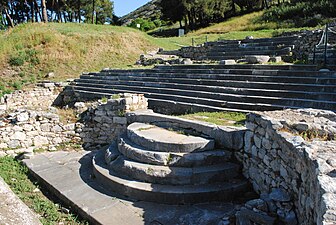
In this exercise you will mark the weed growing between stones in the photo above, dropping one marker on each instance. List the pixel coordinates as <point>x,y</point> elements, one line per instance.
<point>103,99</point>
<point>115,96</point>
<point>16,175</point>
<point>311,134</point>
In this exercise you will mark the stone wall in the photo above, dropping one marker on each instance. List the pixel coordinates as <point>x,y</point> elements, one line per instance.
<point>305,44</point>
<point>276,159</point>
<point>194,52</point>
<point>28,121</point>
<point>103,121</point>
<point>28,130</point>
<point>31,99</point>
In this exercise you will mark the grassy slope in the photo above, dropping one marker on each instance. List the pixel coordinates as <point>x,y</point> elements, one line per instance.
<point>67,50</point>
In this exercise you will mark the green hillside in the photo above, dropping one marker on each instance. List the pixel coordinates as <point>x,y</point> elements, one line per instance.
<point>30,51</point>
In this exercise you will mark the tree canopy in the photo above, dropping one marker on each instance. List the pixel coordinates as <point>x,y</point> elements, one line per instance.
<point>14,12</point>
<point>200,13</point>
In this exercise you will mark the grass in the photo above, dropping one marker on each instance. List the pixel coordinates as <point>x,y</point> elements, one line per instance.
<point>251,23</point>
<point>16,176</point>
<point>29,51</point>
<point>67,115</point>
<point>219,118</point>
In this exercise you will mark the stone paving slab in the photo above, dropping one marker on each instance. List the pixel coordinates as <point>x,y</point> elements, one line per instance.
<point>12,210</point>
<point>69,176</point>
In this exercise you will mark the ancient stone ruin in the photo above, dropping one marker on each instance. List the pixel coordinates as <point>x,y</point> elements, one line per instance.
<point>160,169</point>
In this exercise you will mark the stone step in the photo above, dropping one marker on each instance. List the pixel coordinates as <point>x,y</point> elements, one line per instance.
<point>233,77</point>
<point>90,93</point>
<point>156,174</point>
<point>247,47</point>
<point>169,194</point>
<point>240,66</point>
<point>159,139</point>
<point>265,45</point>
<point>226,83</point>
<point>170,107</point>
<point>204,72</point>
<point>213,91</point>
<point>140,154</point>
<point>162,105</point>
<point>245,52</point>
<point>218,99</point>
<point>155,82</point>
<point>265,41</point>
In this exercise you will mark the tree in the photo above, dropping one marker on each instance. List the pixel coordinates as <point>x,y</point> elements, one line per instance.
<point>172,10</point>
<point>44,11</point>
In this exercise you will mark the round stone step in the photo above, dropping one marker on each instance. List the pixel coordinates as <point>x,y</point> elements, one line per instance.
<point>164,140</point>
<point>140,154</point>
<point>169,194</point>
<point>174,175</point>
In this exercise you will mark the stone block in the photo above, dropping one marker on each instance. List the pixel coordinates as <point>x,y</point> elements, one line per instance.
<point>120,120</point>
<point>39,141</point>
<point>227,62</point>
<point>257,141</point>
<point>256,59</point>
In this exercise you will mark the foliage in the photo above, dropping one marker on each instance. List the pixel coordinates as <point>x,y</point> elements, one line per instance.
<point>145,25</point>
<point>302,13</point>
<point>16,176</point>
<point>91,11</point>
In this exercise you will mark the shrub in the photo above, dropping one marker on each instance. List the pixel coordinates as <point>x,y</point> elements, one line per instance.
<point>145,25</point>
<point>17,85</point>
<point>16,60</point>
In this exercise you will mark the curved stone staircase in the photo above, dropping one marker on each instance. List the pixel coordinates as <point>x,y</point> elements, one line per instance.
<point>169,164</point>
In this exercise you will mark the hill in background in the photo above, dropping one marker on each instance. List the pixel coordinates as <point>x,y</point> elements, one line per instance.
<point>149,11</point>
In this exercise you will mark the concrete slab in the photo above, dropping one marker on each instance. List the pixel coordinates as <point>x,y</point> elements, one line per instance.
<point>12,210</point>
<point>69,177</point>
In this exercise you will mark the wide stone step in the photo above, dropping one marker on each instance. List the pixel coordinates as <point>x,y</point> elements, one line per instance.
<point>160,139</point>
<point>240,66</point>
<point>216,92</point>
<point>264,41</point>
<point>245,52</point>
<point>169,194</point>
<point>241,106</point>
<point>250,47</point>
<point>140,154</point>
<point>220,72</point>
<point>227,83</point>
<point>232,77</point>
<point>174,175</point>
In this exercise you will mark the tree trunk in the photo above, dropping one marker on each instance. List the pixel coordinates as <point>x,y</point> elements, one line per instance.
<point>32,11</point>
<point>44,11</point>
<point>79,11</point>
<point>233,8</point>
<point>9,18</point>
<point>37,11</point>
<point>93,11</point>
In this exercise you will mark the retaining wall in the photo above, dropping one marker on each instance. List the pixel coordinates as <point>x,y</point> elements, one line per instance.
<point>275,159</point>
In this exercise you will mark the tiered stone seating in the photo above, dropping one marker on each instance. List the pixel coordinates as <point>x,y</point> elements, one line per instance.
<point>177,89</point>
<point>237,49</point>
